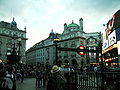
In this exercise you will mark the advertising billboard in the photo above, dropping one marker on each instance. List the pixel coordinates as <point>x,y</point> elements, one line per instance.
<point>118,47</point>
<point>118,34</point>
<point>112,38</point>
<point>104,38</point>
<point>114,22</point>
<point>111,32</point>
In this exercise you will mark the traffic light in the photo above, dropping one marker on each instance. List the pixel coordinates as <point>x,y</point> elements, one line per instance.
<point>81,50</point>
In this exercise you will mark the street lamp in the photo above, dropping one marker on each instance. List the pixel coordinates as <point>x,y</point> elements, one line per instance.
<point>55,40</point>
<point>13,55</point>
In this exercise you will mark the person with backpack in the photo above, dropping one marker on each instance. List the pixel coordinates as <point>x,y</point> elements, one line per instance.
<point>5,83</point>
<point>57,81</point>
<point>10,78</point>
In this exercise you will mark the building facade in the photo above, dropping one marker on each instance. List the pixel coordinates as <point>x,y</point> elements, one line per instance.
<point>9,35</point>
<point>72,37</point>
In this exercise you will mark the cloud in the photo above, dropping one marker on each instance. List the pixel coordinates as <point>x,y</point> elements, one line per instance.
<point>40,16</point>
<point>14,7</point>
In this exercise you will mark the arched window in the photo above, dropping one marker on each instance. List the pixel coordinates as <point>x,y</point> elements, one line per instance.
<point>91,41</point>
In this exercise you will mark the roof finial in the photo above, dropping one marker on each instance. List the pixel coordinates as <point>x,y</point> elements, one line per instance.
<point>72,21</point>
<point>51,30</point>
<point>13,18</point>
<point>25,28</point>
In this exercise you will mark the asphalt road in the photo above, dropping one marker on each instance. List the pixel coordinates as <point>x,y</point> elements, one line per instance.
<point>28,84</point>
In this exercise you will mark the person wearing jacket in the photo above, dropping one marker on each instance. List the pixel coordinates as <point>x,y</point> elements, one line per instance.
<point>57,80</point>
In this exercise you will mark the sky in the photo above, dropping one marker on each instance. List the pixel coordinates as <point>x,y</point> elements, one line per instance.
<point>40,16</point>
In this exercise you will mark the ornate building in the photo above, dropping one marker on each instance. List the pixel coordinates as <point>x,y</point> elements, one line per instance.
<point>72,37</point>
<point>9,35</point>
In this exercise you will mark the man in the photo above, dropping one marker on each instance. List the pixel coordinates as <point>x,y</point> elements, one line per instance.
<point>10,77</point>
<point>5,83</point>
<point>57,81</point>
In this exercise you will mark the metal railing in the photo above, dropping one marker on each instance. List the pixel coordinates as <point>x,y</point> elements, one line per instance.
<point>93,80</point>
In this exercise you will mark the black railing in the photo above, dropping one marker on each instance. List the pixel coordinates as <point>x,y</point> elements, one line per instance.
<point>93,80</point>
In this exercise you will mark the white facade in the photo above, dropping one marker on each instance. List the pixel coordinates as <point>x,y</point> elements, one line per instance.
<point>72,37</point>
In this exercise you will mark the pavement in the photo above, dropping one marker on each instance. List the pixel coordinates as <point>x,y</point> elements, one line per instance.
<point>28,84</point>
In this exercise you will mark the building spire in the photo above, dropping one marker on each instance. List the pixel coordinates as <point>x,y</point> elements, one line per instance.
<point>13,18</point>
<point>25,28</point>
<point>72,21</point>
<point>51,30</point>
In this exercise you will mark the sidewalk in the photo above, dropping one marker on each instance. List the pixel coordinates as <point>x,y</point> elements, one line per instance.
<point>28,84</point>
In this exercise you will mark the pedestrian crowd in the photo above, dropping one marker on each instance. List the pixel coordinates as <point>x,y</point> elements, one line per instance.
<point>46,76</point>
<point>51,77</point>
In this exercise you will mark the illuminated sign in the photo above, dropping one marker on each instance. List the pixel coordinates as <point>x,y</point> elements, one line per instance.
<point>108,60</point>
<point>110,48</point>
<point>112,38</point>
<point>105,38</point>
<point>114,22</point>
<point>118,34</point>
<point>80,48</point>
<point>118,47</point>
<point>105,44</point>
<point>111,31</point>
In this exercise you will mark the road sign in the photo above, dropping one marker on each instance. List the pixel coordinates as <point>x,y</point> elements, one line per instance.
<point>80,50</point>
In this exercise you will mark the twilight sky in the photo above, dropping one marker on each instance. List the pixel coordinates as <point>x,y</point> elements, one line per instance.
<point>40,16</point>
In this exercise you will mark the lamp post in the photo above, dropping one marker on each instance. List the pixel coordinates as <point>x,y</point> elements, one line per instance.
<point>100,52</point>
<point>101,56</point>
<point>13,55</point>
<point>55,40</point>
<point>101,63</point>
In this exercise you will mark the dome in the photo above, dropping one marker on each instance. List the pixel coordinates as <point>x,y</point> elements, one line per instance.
<point>13,22</point>
<point>52,33</point>
<point>73,24</point>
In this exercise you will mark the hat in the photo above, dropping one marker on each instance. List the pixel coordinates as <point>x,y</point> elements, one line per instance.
<point>55,69</point>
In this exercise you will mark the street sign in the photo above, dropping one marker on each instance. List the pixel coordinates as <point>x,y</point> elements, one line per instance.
<point>81,50</point>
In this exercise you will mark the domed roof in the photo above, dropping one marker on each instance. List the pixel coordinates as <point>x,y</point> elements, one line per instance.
<point>13,22</point>
<point>51,33</point>
<point>73,24</point>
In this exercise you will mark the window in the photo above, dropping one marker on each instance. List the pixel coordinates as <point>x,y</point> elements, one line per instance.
<point>91,41</point>
<point>73,44</point>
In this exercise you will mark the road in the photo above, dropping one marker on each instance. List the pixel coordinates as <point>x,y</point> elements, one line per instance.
<point>28,84</point>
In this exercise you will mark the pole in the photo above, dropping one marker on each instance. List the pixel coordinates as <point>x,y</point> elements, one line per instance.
<point>101,64</point>
<point>56,53</point>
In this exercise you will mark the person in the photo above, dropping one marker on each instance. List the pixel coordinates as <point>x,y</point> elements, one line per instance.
<point>2,76</point>
<point>10,77</point>
<point>22,74</point>
<point>39,77</point>
<point>57,81</point>
<point>95,69</point>
<point>5,83</point>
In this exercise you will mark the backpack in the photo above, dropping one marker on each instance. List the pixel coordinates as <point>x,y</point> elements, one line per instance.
<point>9,83</point>
<point>51,84</point>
